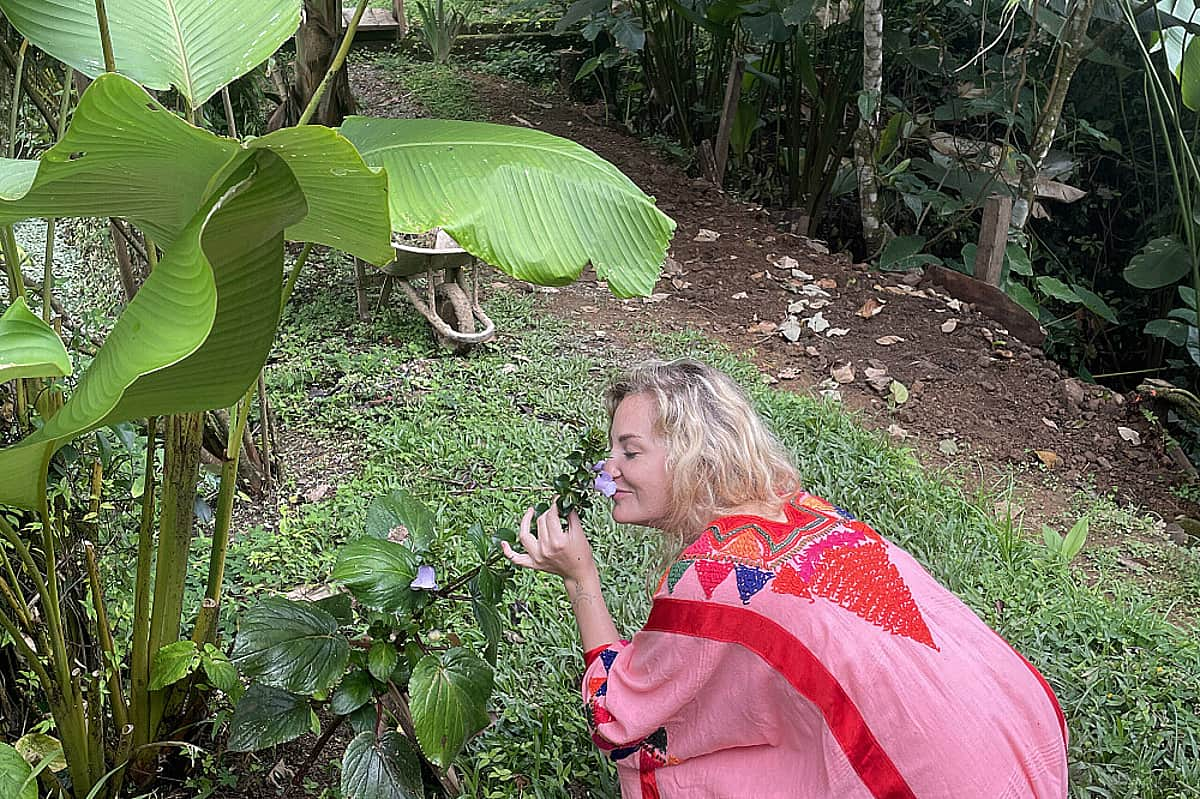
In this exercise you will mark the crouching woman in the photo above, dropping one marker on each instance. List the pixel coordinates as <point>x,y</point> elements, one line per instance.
<point>791,651</point>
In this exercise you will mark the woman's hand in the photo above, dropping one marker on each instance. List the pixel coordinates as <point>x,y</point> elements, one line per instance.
<point>565,553</point>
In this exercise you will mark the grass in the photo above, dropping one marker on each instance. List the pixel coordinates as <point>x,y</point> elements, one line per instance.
<point>478,437</point>
<point>442,89</point>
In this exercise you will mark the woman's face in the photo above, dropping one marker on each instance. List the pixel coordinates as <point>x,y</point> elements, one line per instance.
<point>638,464</point>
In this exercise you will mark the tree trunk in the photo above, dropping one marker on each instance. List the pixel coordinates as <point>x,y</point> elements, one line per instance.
<point>316,42</point>
<point>1072,52</point>
<point>868,127</point>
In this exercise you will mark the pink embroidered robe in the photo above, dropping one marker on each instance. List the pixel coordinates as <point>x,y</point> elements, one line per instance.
<point>815,659</point>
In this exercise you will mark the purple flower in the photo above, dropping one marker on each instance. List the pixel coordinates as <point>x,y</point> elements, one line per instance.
<point>605,484</point>
<point>425,580</point>
<point>599,467</point>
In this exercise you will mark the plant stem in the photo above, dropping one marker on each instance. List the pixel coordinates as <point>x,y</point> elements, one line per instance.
<point>14,112</point>
<point>110,64</point>
<point>139,669</point>
<point>302,772</point>
<point>206,621</point>
<point>301,260</point>
<point>339,58</point>
<point>465,578</point>
<point>120,710</point>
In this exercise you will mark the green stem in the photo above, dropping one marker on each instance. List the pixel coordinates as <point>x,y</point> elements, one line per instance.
<point>120,710</point>
<point>294,274</point>
<point>110,64</point>
<point>139,660</point>
<point>181,460</point>
<point>14,111</point>
<point>334,66</point>
<point>64,109</point>
<point>12,262</point>
<point>206,622</point>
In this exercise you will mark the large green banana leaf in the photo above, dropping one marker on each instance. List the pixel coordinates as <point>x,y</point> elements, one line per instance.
<point>29,347</point>
<point>534,205</point>
<point>201,326</point>
<point>196,46</point>
<point>125,155</point>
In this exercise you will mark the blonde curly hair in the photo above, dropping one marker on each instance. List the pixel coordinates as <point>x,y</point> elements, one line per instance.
<point>720,454</point>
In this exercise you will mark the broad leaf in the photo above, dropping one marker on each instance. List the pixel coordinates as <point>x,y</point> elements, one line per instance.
<point>38,748</point>
<point>172,663</point>
<point>1018,259</point>
<point>533,205</point>
<point>267,716</point>
<point>1172,330</point>
<point>1096,304</point>
<point>381,660</point>
<point>384,767</point>
<point>1189,75</point>
<point>401,509</point>
<point>492,625</point>
<point>29,347</point>
<point>14,775</point>
<point>199,329</point>
<point>195,46</point>
<point>449,702</point>
<point>902,253</point>
<point>221,672</point>
<point>378,573</point>
<point>355,690</point>
<point>290,645</point>
<point>1160,263</point>
<point>1053,287</point>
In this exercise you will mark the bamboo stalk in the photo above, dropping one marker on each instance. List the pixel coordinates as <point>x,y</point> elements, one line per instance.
<point>339,58</point>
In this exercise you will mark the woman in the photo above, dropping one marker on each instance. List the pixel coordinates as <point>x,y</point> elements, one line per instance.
<point>791,651</point>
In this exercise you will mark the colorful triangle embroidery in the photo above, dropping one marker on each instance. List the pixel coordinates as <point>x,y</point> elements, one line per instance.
<point>607,657</point>
<point>745,546</point>
<point>789,581</point>
<point>678,568</point>
<point>750,581</point>
<point>711,573</point>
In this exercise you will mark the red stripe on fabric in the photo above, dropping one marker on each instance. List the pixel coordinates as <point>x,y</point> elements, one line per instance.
<point>1062,720</point>
<point>646,767</point>
<point>796,662</point>
<point>589,657</point>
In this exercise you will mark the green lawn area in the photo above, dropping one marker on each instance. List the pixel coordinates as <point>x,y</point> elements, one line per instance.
<point>478,438</point>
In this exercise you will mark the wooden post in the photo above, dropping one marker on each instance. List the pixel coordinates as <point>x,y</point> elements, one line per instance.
<point>360,291</point>
<point>401,18</point>
<point>993,236</point>
<point>733,92</point>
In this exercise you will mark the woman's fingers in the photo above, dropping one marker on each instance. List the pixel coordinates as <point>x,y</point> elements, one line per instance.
<point>516,558</point>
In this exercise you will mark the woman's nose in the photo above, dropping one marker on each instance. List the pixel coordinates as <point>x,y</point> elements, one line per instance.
<point>610,466</point>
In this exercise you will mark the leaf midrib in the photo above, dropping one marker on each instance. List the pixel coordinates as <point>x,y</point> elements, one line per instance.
<point>183,54</point>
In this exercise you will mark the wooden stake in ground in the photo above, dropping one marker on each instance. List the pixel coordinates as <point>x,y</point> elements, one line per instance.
<point>993,237</point>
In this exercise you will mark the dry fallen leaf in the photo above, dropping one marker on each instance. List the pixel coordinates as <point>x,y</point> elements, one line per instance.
<point>896,431</point>
<point>898,290</point>
<point>1048,458</point>
<point>707,235</point>
<point>797,306</point>
<point>658,297</point>
<point>948,446</point>
<point>877,379</point>
<point>887,341</point>
<point>741,295</point>
<point>319,492</point>
<point>837,331</point>
<point>1130,435</point>
<point>763,327</point>
<point>680,283</point>
<point>827,283</point>
<point>843,373</point>
<point>817,304</point>
<point>800,274</point>
<point>769,378</point>
<point>787,262</point>
<point>812,352</point>
<point>949,326</point>
<point>791,329</point>
<point>817,323</point>
<point>789,374</point>
<point>1053,425</point>
<point>870,308</point>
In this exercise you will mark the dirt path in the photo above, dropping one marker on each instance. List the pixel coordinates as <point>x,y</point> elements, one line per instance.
<point>978,401</point>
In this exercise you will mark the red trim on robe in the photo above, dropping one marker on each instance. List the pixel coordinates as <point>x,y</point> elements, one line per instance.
<point>796,662</point>
<point>646,767</point>
<point>589,657</point>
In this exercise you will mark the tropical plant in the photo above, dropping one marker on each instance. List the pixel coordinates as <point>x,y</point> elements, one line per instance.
<point>200,327</point>
<point>392,657</point>
<point>439,28</point>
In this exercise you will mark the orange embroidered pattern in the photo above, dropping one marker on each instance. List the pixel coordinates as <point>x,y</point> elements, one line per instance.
<point>819,552</point>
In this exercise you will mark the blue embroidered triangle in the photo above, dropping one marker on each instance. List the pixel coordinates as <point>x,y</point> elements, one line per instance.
<point>607,657</point>
<point>750,581</point>
<point>676,574</point>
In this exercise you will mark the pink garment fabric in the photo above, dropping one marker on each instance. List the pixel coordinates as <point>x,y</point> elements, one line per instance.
<point>813,659</point>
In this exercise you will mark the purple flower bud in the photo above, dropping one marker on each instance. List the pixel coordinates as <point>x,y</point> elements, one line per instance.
<point>426,579</point>
<point>605,484</point>
<point>599,467</point>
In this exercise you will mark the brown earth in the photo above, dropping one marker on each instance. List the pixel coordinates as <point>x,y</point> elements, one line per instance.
<point>979,401</point>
